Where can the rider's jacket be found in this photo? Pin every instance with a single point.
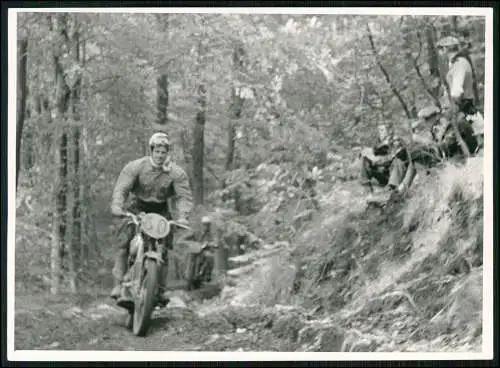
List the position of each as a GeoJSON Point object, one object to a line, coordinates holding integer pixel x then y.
{"type": "Point", "coordinates": [152, 184]}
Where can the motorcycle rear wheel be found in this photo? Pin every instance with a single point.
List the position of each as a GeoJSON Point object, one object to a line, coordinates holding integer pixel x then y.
{"type": "Point", "coordinates": [145, 302]}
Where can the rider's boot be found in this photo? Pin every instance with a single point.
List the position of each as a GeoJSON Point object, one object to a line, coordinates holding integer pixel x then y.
{"type": "Point", "coordinates": [162, 297]}
{"type": "Point", "coordinates": [118, 273]}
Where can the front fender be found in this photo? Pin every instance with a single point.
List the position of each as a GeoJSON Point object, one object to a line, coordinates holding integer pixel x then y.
{"type": "Point", "coordinates": [153, 255]}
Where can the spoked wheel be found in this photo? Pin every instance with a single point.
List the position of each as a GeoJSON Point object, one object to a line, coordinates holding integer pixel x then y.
{"type": "Point", "coordinates": [146, 298]}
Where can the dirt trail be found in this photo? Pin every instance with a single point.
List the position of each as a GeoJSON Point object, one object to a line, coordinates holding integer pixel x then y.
{"type": "Point", "coordinates": [43, 322]}
{"type": "Point", "coordinates": [93, 322]}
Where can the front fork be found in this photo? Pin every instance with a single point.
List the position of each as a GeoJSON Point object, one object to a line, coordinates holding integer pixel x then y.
{"type": "Point", "coordinates": [157, 256]}
{"type": "Point", "coordinates": [139, 264]}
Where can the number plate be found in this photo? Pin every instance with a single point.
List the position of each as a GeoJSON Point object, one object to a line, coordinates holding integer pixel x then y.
{"type": "Point", "coordinates": [154, 225]}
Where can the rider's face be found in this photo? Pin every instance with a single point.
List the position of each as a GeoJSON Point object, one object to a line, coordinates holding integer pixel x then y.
{"type": "Point", "coordinates": [159, 155]}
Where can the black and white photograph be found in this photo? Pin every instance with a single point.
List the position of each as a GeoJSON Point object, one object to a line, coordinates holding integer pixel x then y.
{"type": "Point", "coordinates": [250, 183]}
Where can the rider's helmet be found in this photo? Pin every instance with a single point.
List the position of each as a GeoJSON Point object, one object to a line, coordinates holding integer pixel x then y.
{"type": "Point", "coordinates": [159, 139]}
{"type": "Point", "coordinates": [206, 220]}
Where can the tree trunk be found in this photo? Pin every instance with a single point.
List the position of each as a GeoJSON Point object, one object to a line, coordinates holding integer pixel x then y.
{"type": "Point", "coordinates": [85, 224]}
{"type": "Point", "coordinates": [70, 218]}
{"type": "Point", "coordinates": [84, 215]}
{"type": "Point", "coordinates": [454, 22]}
{"type": "Point", "coordinates": [231, 136]}
{"type": "Point", "coordinates": [415, 61]}
{"type": "Point", "coordinates": [386, 74]}
{"type": "Point", "coordinates": [433, 61]}
{"type": "Point", "coordinates": [199, 147]}
{"type": "Point", "coordinates": [185, 152]}
{"type": "Point", "coordinates": [21, 98]}
{"type": "Point", "coordinates": [74, 204]}
{"type": "Point", "coordinates": [236, 105]}
{"type": "Point", "coordinates": [162, 100]}
{"type": "Point", "coordinates": [61, 105]}
{"type": "Point", "coordinates": [56, 245]}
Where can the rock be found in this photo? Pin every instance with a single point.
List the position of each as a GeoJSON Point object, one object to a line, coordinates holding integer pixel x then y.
{"type": "Point", "coordinates": [54, 345]}
{"type": "Point", "coordinates": [269, 252]}
{"type": "Point", "coordinates": [73, 312]}
{"type": "Point", "coordinates": [176, 302]}
{"type": "Point", "coordinates": [237, 272]}
{"type": "Point", "coordinates": [228, 292]}
{"type": "Point", "coordinates": [241, 260]}
{"type": "Point", "coordinates": [102, 311]}
{"type": "Point", "coordinates": [213, 338]}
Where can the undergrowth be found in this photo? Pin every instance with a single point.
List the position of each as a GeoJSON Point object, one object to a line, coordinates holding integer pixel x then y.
{"type": "Point", "coordinates": [416, 255]}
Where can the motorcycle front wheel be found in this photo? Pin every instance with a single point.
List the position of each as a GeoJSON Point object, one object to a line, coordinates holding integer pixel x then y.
{"type": "Point", "coordinates": [146, 298]}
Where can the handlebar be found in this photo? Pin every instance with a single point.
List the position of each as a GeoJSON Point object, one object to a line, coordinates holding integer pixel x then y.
{"type": "Point", "coordinates": [136, 219]}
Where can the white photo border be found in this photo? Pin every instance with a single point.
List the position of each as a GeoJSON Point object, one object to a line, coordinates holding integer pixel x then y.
{"type": "Point", "coordinates": [55, 355]}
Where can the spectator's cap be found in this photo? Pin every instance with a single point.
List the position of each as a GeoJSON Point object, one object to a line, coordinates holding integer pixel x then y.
{"type": "Point", "coordinates": [206, 220]}
{"type": "Point", "coordinates": [428, 112]}
{"type": "Point", "coordinates": [448, 41]}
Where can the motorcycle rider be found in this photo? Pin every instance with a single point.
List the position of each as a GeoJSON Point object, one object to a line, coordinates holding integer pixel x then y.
{"type": "Point", "coordinates": [152, 180]}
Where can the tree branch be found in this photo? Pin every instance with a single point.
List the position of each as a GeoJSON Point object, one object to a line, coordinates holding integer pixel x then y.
{"type": "Point", "coordinates": [419, 73]}
{"type": "Point", "coordinates": [386, 74]}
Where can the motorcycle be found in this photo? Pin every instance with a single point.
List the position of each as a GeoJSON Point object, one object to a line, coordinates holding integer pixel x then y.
{"type": "Point", "coordinates": [199, 264]}
{"type": "Point", "coordinates": [141, 281]}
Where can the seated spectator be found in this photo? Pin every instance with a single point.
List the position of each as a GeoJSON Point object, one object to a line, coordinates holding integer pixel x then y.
{"type": "Point", "coordinates": [443, 133]}
{"type": "Point", "coordinates": [389, 163]}
{"type": "Point", "coordinates": [424, 149]}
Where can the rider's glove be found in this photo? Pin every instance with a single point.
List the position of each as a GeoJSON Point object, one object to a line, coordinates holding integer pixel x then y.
{"type": "Point", "coordinates": [119, 212]}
